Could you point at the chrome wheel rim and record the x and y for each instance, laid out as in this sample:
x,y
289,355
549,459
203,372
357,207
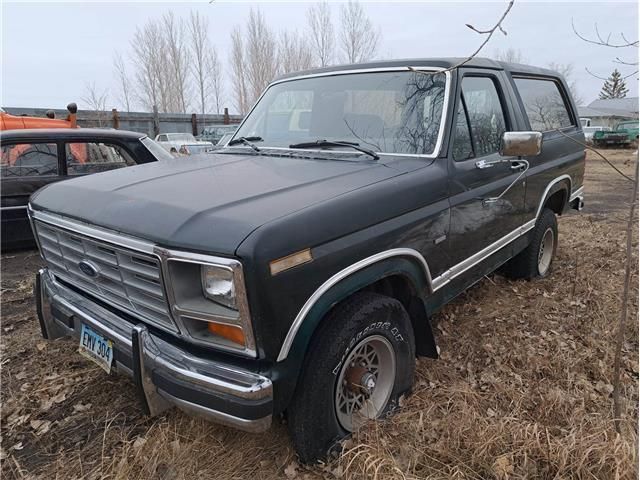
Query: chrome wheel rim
x,y
545,254
365,382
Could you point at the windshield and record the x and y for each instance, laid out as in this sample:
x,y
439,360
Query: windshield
x,y
627,125
389,112
181,137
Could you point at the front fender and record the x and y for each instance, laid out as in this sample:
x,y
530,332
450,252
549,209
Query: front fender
x,y
291,359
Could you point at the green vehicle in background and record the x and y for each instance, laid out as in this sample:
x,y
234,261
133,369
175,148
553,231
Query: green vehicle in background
x,y
624,135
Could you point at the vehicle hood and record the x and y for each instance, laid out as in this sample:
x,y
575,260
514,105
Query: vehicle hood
x,y
208,203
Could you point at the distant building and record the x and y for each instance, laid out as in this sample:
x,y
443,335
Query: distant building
x,y
607,113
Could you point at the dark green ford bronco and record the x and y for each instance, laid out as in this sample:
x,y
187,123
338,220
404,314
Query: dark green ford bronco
x,y
294,271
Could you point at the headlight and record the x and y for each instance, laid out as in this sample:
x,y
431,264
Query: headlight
x,y
208,300
217,285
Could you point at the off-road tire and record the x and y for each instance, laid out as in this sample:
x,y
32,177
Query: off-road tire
x,y
312,418
525,264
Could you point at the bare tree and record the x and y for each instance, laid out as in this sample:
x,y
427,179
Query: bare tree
x,y
359,39
153,76
214,73
238,77
147,84
623,43
96,100
488,34
294,52
630,259
199,39
179,58
262,59
124,81
321,32
510,55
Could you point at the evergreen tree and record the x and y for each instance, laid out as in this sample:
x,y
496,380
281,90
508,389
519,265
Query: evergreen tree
x,y
614,87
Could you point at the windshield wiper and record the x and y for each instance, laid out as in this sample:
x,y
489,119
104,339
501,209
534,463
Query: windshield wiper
x,y
246,141
332,143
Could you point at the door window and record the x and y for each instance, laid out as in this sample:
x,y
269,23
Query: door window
x,y
29,160
462,146
93,157
484,113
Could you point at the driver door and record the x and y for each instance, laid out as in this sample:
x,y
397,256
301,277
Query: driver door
x,y
478,220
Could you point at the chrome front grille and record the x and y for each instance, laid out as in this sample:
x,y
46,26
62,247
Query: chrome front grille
x,y
125,278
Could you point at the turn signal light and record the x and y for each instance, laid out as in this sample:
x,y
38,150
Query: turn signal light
x,y
290,261
230,332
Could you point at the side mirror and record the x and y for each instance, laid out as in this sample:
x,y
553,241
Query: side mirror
x,y
521,144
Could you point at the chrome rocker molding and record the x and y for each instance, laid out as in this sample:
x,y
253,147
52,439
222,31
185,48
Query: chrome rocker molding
x,y
151,354
433,284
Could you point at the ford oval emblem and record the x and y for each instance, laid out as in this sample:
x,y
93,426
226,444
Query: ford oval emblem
x,y
88,268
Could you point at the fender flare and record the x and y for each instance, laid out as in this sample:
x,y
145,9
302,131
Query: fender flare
x,y
563,182
406,262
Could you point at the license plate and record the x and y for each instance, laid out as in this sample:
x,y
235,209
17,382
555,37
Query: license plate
x,y
97,348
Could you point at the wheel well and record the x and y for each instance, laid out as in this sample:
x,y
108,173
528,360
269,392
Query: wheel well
x,y
400,288
557,201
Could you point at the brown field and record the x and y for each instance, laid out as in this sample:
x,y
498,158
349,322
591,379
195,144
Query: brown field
x,y
522,389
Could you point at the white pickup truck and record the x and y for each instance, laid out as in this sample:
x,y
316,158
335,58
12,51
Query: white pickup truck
x,y
183,143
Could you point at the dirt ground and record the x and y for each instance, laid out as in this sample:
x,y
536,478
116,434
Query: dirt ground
x,y
522,388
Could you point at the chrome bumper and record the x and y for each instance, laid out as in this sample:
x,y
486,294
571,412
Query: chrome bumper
x,y
164,374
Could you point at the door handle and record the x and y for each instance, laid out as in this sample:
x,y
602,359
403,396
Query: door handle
x,y
482,164
520,165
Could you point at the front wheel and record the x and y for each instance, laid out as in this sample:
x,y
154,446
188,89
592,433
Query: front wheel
x,y
536,260
360,361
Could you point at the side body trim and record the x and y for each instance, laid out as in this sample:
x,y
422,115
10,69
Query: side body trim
x,y
20,207
579,193
433,284
457,270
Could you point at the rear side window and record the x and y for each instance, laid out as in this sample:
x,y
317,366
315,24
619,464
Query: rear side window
x,y
85,158
544,104
29,160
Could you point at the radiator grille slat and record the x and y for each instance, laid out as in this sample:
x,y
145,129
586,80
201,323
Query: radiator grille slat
x,y
127,279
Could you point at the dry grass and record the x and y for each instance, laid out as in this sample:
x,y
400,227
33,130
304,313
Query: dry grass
x,y
523,388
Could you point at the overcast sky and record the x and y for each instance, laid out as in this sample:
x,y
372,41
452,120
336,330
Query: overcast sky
x,y
51,50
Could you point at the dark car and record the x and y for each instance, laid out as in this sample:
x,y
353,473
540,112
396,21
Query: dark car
x,y
294,272
32,158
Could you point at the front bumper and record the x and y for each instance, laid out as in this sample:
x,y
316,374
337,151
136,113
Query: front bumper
x,y
163,374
